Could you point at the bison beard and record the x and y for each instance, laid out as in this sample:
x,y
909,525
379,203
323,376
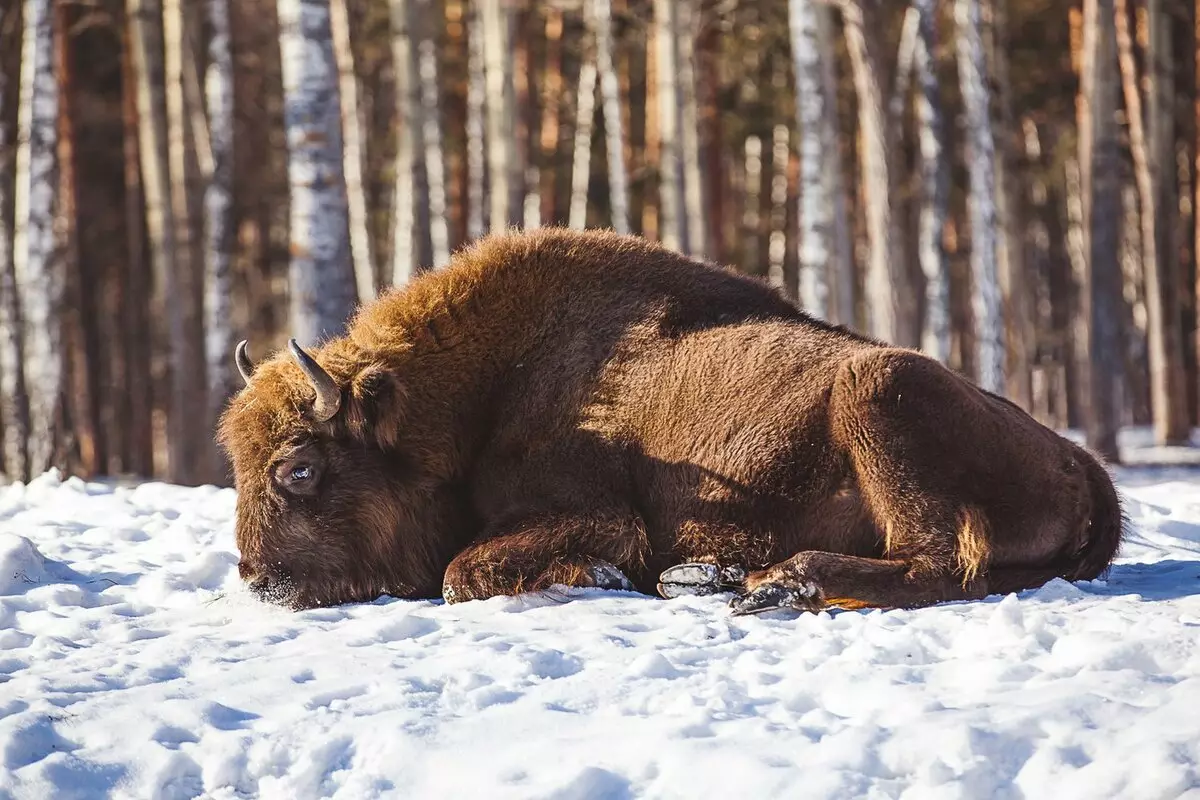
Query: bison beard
x,y
588,409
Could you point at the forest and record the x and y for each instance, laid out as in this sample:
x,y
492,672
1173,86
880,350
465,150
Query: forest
x,y
1008,185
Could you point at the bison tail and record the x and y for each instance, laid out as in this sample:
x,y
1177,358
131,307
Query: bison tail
x,y
1103,530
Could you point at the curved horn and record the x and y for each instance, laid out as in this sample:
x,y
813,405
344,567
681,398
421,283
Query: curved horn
x,y
244,364
329,396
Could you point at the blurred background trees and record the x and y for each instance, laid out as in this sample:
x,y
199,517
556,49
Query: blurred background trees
x,y
1008,184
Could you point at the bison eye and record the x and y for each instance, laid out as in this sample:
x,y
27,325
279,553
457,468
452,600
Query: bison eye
x,y
301,473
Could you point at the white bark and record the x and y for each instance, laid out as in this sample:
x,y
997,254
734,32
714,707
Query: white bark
x,y
504,168
816,206
672,222
354,152
218,212
618,184
842,249
435,162
581,166
981,202
405,255
36,268
321,282
935,332
476,92
693,185
12,382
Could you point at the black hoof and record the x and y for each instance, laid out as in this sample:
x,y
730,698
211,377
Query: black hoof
x,y
770,596
699,580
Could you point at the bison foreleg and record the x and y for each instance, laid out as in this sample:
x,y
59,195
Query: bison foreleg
x,y
700,579
814,580
571,551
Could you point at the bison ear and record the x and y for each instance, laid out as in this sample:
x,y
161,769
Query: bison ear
x,y
376,405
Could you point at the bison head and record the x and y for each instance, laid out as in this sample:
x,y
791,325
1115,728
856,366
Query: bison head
x,y
330,509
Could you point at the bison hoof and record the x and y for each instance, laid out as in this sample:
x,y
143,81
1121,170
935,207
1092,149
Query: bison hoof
x,y
605,576
700,579
770,596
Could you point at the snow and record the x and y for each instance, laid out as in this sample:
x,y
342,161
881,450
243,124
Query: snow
x,y
134,664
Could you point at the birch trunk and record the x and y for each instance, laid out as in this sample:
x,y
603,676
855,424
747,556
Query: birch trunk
x,y
476,94
320,275
816,206
934,192
981,202
614,134
353,134
14,409
842,250
218,216
886,282
504,169
672,224
1101,195
413,247
435,162
581,163
687,22
36,268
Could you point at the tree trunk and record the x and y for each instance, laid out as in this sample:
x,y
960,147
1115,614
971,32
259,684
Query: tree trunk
x,y
551,107
14,408
1168,399
981,202
355,151
36,266
320,277
886,279
413,246
434,159
614,135
476,105
672,222
687,21
218,220
935,332
504,169
1101,195
816,204
843,286
581,163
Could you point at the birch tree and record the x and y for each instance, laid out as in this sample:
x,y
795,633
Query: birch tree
x,y
672,224
841,253
618,191
354,152
1100,193
37,271
476,94
320,279
431,134
413,248
14,409
504,167
981,202
816,207
218,215
581,162
935,332
886,280
687,22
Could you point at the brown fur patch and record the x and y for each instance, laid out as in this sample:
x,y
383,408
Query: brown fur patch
x,y
974,547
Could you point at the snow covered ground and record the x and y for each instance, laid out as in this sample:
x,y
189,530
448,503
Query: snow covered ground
x,y
133,664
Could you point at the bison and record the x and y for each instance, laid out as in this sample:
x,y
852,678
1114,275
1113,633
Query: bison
x,y
594,410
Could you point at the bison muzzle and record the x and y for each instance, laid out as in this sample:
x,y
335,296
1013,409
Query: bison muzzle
x,y
588,409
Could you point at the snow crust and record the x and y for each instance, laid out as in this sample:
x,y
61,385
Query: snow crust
x,y
136,665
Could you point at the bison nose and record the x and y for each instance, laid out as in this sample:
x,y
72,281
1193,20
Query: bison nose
x,y
245,571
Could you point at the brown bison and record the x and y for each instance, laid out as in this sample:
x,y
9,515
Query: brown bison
x,y
590,409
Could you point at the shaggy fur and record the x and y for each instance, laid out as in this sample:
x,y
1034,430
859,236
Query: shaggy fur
x,y
553,403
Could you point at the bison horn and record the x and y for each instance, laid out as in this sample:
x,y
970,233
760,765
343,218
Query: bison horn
x,y
329,396
244,364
